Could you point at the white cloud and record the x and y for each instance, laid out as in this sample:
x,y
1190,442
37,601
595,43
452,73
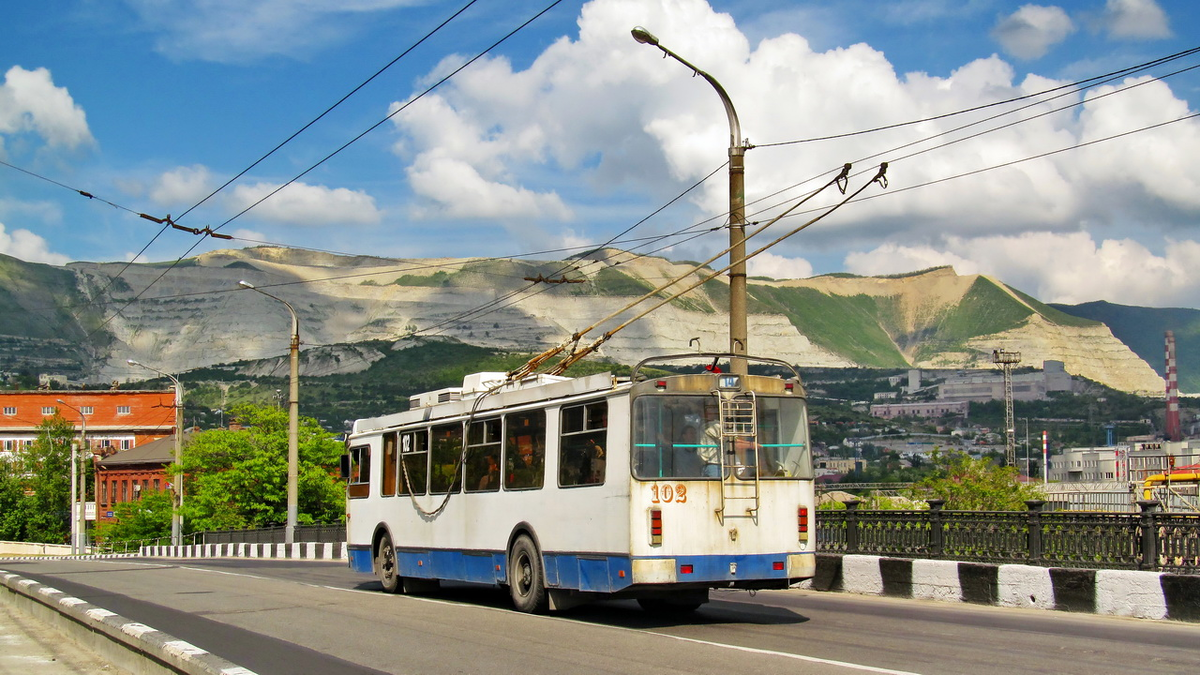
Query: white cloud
x,y
778,267
182,186
1032,30
601,110
249,237
30,103
458,190
234,32
29,247
1136,20
1068,268
307,205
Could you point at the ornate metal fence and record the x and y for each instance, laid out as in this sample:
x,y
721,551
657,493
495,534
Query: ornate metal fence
x,y
1150,540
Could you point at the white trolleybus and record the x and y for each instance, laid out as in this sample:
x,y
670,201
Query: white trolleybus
x,y
565,490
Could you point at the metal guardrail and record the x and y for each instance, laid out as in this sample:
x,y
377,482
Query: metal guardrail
x,y
1150,540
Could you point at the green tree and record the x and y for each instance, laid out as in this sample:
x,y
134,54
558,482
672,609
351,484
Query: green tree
x,y
237,478
12,498
147,518
47,468
969,484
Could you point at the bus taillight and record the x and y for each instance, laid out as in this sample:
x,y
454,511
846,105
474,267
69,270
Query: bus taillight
x,y
802,522
656,527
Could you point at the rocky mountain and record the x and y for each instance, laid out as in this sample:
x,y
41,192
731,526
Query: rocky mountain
x,y
1144,330
194,314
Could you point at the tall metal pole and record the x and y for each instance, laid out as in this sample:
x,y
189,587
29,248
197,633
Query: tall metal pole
x,y
177,497
1006,361
738,332
293,419
78,487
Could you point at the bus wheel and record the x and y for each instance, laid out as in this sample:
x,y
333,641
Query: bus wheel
x,y
525,578
385,565
666,607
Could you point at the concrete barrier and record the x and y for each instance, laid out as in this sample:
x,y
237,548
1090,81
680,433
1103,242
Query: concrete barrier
x,y
1145,595
22,548
131,646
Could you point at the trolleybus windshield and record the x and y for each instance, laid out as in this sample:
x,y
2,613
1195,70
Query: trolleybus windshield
x,y
679,436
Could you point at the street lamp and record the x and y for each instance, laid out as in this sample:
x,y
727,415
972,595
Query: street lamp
x,y
293,417
737,206
176,515
78,485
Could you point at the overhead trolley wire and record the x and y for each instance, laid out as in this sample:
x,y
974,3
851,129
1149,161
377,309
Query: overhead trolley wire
x,y
331,108
340,149
1119,90
1077,85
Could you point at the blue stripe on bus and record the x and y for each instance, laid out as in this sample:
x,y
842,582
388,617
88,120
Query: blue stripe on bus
x,y
584,572
360,559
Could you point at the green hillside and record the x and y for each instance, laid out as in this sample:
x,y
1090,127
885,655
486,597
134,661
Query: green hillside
x,y
36,301
845,325
1144,329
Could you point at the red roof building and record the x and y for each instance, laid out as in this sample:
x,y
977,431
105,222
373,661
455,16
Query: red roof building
x,y
116,421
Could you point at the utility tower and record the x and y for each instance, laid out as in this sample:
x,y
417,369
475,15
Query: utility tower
x,y
1006,361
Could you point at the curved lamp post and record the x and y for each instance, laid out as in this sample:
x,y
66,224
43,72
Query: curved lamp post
x,y
177,498
78,485
737,208
293,417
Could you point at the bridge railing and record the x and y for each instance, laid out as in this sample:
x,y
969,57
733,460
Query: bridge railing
x,y
1149,540
274,535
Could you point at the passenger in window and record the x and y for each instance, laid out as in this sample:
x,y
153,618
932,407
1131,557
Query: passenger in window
x,y
596,459
709,451
527,470
491,475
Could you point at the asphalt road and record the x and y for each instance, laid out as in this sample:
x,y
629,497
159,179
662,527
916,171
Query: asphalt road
x,y
281,616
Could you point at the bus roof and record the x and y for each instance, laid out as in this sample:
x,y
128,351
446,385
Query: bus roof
x,y
454,401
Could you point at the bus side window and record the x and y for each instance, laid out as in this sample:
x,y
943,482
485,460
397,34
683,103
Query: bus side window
x,y
445,473
414,455
390,465
483,456
582,458
525,450
359,482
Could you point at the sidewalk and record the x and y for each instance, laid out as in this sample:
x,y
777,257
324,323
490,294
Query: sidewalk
x,y
28,645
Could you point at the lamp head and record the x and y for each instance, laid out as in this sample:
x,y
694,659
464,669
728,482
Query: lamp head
x,y
132,362
644,36
244,284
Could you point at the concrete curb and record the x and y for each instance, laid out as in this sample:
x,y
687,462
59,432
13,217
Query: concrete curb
x,y
132,646
298,551
1143,595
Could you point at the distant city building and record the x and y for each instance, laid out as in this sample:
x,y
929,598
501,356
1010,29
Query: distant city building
x,y
48,379
986,386
920,409
1086,465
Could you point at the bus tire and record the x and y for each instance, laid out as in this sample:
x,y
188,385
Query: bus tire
x,y
526,580
385,565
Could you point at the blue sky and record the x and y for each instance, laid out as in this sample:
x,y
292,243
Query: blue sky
x,y
570,132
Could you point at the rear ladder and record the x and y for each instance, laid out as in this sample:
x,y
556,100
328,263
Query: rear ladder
x,y
739,457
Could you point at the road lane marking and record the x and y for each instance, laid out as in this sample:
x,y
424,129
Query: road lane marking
x,y
751,650
788,655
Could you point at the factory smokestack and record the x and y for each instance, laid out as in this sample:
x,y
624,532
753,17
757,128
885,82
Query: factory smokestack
x,y
1173,433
